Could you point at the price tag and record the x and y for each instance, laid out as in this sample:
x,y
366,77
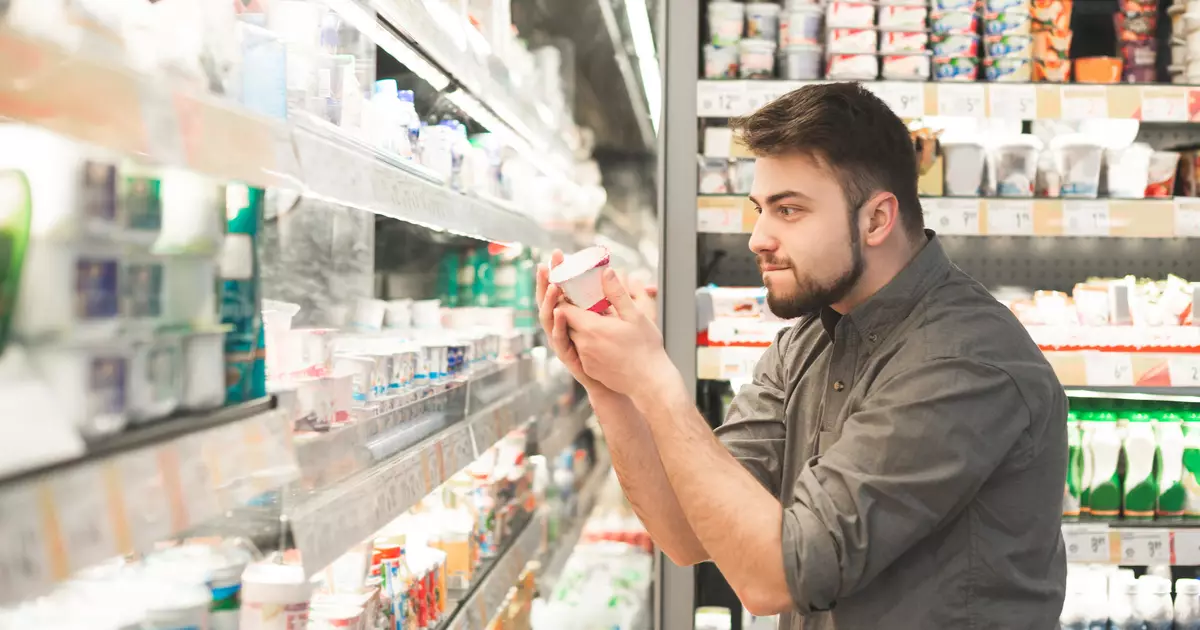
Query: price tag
x,y
1145,547
1164,104
1187,216
1108,368
1086,543
907,99
25,567
1010,218
1081,102
144,493
1184,370
721,99
1185,547
1086,218
1014,101
739,362
961,100
719,221
958,216
81,502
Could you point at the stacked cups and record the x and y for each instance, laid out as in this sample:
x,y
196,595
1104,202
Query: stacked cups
x,y
955,39
1008,41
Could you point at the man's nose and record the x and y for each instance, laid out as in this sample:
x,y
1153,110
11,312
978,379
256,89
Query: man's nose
x,y
761,240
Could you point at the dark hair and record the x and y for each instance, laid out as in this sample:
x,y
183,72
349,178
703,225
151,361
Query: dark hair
x,y
849,130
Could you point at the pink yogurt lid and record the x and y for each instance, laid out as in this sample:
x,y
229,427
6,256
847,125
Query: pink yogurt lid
x,y
576,264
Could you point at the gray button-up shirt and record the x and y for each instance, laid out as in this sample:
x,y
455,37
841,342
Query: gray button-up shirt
x,y
918,445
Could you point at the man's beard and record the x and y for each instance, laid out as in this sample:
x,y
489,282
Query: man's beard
x,y
810,296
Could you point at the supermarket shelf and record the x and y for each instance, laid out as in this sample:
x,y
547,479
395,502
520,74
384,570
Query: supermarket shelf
x,y
1025,101
151,119
555,434
1181,395
588,495
497,577
1134,544
1129,218
328,522
136,491
1074,369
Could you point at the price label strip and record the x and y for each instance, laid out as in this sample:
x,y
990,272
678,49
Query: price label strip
x,y
1086,218
1010,218
1081,102
1164,104
1184,370
1087,543
1016,102
1145,547
1108,369
1187,217
906,99
721,99
739,362
962,100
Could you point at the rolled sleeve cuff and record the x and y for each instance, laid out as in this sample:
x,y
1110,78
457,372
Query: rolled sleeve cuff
x,y
810,561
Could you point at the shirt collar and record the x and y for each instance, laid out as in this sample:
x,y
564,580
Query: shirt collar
x,y
890,305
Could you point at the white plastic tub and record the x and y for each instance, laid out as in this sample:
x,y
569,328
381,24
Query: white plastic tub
x,y
1128,170
799,62
72,290
762,21
1013,164
801,25
156,379
204,371
725,22
965,160
92,380
756,59
1078,158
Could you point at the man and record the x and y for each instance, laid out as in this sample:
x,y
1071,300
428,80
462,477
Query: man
x,y
899,457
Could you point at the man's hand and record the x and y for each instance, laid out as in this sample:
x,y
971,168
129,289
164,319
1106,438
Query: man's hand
x,y
621,349
554,323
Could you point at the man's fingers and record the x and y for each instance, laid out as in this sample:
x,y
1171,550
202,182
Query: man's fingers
x,y
546,308
561,340
556,258
543,280
617,295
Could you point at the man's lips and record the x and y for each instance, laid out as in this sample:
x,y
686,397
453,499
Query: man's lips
x,y
766,268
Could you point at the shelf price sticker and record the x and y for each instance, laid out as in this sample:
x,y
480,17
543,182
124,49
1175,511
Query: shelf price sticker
x,y
1086,218
1081,102
962,100
719,220
721,99
952,216
907,99
1184,370
1108,369
1145,547
1010,218
1087,543
1187,216
25,566
1016,102
1164,104
1185,547
739,362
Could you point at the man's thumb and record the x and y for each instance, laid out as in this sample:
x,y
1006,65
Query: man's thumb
x,y
617,295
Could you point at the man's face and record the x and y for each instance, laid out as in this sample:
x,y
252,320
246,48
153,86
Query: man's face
x,y
806,238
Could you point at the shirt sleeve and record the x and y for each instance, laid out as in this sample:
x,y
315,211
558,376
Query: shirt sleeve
x,y
754,431
913,457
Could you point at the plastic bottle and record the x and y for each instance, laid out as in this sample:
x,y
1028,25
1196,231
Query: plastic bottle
x,y
1141,449
1122,592
385,115
1087,426
1153,603
1191,464
410,124
1169,433
459,147
1187,604
1071,492
1104,495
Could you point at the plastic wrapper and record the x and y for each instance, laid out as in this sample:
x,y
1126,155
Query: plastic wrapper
x,y
1050,44
1009,46
859,67
1139,53
914,67
954,22
1163,166
954,5
902,17
849,15
852,40
995,6
1052,70
903,41
955,68
1010,22
1051,14
1138,74
1135,27
1008,69
955,45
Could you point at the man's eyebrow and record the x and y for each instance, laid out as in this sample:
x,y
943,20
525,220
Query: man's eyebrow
x,y
780,196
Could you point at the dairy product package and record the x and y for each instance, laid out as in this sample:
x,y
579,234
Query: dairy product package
x,y
1140,449
1168,430
1105,445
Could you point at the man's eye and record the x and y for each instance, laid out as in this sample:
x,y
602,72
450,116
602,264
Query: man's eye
x,y
786,211
758,209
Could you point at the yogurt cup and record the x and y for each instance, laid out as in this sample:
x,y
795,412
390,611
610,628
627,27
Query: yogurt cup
x,y
1013,164
756,59
1077,159
994,6
858,67
905,67
1163,166
427,314
1010,22
955,44
204,370
1008,45
800,25
964,163
579,278
1052,14
903,17
155,379
93,382
903,41
840,14
720,62
797,62
725,22
762,21
955,68
953,5
1008,69
851,41
398,314
1128,170
954,22
1052,70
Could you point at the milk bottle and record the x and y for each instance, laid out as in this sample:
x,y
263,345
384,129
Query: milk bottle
x,y
1169,433
1104,487
1141,449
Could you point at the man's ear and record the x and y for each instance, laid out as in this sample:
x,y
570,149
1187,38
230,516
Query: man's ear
x,y
881,214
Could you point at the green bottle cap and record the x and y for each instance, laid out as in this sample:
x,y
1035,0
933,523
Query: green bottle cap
x,y
1140,416
1072,416
1191,416
1106,416
1169,416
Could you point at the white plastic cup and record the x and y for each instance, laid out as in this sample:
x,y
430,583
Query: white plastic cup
x,y
726,22
398,314
1128,170
756,58
801,25
427,314
579,277
800,62
762,21
964,163
1078,159
1014,165
203,371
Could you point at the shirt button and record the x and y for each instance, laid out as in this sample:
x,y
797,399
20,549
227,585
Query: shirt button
x,y
838,386
872,337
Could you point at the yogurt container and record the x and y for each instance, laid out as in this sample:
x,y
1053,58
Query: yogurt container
x,y
93,382
857,67
1008,45
274,597
903,41
1077,159
720,62
1051,14
762,21
79,291
964,167
725,22
902,17
995,6
1128,170
852,40
756,58
1163,166
1052,70
840,14
579,278
955,45
1052,44
800,25
398,314
155,378
954,5
1013,164
796,63
427,314
1010,22
204,370
1008,69
905,67
955,68
954,22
